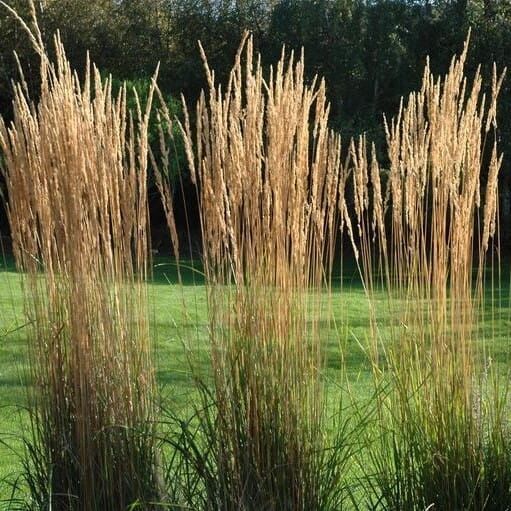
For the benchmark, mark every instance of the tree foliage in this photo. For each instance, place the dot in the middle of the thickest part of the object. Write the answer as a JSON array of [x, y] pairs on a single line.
[[371, 52]]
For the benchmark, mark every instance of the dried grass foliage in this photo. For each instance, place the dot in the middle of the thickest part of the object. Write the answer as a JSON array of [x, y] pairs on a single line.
[[274, 194], [75, 166], [423, 230], [425, 240], [268, 173]]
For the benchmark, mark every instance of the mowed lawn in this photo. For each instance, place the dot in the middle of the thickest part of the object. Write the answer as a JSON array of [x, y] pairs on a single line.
[[178, 316]]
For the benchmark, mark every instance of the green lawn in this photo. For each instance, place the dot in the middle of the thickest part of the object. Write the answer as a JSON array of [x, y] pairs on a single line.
[[179, 328]]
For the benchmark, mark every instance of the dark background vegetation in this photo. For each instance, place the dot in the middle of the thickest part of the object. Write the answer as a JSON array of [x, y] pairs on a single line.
[[371, 52]]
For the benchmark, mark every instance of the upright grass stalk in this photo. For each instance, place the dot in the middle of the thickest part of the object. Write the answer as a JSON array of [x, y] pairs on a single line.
[[75, 166], [268, 175], [431, 231]]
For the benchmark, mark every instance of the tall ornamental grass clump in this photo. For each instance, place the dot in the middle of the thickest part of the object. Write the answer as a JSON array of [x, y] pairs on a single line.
[[442, 440], [267, 171], [75, 165]]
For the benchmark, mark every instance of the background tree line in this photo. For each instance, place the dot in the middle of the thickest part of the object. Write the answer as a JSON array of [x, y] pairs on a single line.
[[371, 52]]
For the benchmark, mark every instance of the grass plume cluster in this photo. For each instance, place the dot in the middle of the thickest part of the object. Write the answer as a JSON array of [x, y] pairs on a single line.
[[75, 166], [424, 240], [268, 175]]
